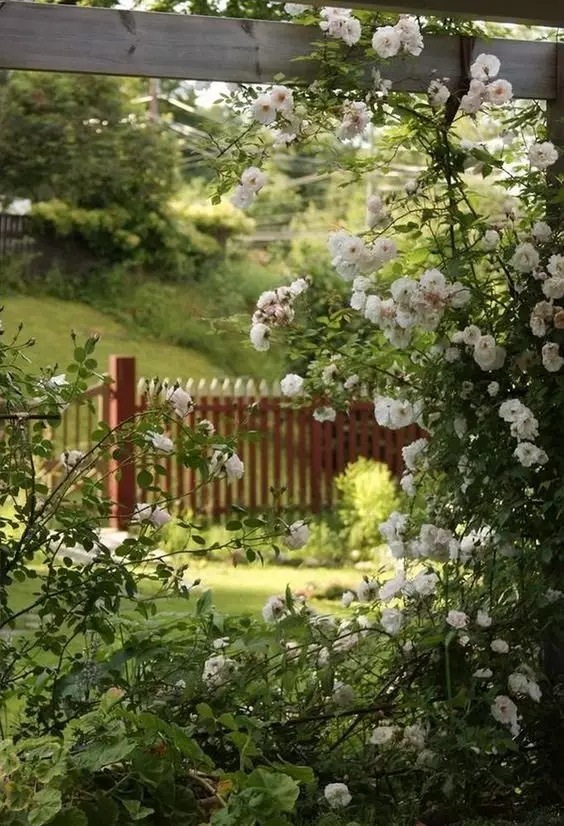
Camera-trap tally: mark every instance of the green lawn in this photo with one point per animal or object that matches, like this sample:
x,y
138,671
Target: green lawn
x,y
50,321
239,590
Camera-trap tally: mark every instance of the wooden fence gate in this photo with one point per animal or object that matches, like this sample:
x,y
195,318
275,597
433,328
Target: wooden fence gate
x,y
287,453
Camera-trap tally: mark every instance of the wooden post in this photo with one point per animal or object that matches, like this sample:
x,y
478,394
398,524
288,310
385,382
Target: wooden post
x,y
554,630
555,129
122,408
316,465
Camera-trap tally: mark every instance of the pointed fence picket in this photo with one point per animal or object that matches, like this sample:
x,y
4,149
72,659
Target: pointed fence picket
x,y
291,460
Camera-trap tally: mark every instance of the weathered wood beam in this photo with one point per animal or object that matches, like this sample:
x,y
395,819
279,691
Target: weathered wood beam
x,y
541,12
108,41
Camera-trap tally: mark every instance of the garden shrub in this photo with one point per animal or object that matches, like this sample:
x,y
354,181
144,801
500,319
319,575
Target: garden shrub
x,y
368,495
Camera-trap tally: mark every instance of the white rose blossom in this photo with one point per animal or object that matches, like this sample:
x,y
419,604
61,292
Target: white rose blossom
x,y
543,155
274,609
337,795
504,710
180,400
382,734
499,646
292,385
391,620
551,358
218,670
160,441
264,110
485,67
325,414
525,259
295,9
260,337
71,458
457,619
386,41
541,232
297,536
151,513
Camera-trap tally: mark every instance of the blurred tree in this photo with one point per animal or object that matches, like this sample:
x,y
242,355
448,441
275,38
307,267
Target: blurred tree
x,y
81,140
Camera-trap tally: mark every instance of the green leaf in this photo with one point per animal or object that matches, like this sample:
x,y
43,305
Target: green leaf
x,y
98,755
144,478
46,804
72,817
103,810
302,774
277,785
136,810
233,525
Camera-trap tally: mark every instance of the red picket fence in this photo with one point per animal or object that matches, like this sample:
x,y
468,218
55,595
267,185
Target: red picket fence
x,y
290,459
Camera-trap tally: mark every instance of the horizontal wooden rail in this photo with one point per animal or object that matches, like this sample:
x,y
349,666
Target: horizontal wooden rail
x,y
116,42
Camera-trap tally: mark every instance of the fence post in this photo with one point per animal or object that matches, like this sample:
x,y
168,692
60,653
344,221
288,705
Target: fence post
x,y
122,484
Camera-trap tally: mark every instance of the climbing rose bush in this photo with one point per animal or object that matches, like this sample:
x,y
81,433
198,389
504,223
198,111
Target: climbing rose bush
x,y
454,324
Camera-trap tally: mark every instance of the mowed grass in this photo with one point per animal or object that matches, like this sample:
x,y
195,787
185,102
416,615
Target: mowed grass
x,y
50,321
236,591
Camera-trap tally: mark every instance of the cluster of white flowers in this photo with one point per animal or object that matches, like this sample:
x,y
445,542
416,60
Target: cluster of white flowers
x,y
352,257
274,308
297,536
524,427
395,413
413,303
151,513
218,670
71,458
413,457
521,685
228,465
504,710
405,36
340,24
436,543
251,182
486,352
393,530
414,454
483,87
277,108
544,314
267,106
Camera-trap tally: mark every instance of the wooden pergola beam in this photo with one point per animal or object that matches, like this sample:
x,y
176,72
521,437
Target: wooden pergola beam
x,y
540,13
146,44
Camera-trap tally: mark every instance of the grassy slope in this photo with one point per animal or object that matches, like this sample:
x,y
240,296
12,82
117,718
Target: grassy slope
x,y
50,321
